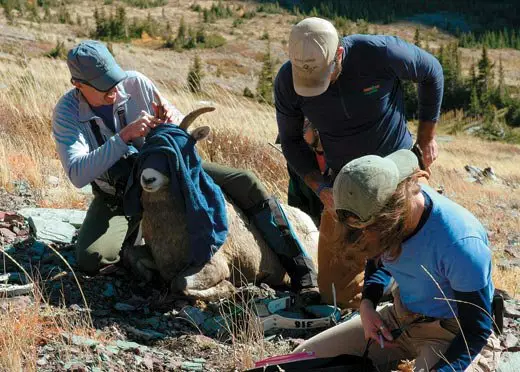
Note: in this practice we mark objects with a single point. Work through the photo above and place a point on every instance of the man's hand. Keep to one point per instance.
(317, 183)
(429, 150)
(372, 323)
(163, 112)
(427, 143)
(139, 127)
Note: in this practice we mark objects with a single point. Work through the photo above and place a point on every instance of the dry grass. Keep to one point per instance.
(31, 85)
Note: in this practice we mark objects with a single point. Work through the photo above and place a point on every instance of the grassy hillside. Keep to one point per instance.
(31, 83)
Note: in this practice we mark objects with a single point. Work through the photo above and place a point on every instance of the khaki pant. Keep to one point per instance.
(338, 264)
(424, 342)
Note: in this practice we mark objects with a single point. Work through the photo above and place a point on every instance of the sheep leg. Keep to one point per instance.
(222, 290)
(210, 281)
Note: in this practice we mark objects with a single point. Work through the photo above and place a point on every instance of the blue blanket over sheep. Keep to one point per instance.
(205, 205)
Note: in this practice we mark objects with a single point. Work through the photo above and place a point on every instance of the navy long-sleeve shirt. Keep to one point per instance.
(363, 112)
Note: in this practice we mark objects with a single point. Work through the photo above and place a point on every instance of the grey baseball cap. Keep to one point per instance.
(91, 62)
(313, 43)
(364, 185)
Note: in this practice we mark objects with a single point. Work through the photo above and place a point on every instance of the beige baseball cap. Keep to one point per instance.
(312, 49)
(364, 185)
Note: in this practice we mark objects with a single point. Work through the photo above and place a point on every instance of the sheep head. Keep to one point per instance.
(155, 169)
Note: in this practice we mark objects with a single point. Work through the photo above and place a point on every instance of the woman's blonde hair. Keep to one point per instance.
(389, 224)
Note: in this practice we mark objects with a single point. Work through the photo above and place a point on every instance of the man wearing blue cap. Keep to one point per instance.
(98, 128)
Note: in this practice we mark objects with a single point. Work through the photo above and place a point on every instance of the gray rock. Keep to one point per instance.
(14, 284)
(510, 341)
(145, 334)
(109, 290)
(511, 309)
(128, 345)
(53, 230)
(154, 322)
(53, 180)
(192, 366)
(508, 263)
(5, 232)
(148, 361)
(124, 307)
(75, 366)
(509, 362)
(80, 340)
(38, 248)
(114, 350)
(72, 216)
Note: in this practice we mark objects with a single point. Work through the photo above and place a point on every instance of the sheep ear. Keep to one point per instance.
(200, 133)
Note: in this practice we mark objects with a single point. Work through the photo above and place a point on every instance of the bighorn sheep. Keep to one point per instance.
(244, 257)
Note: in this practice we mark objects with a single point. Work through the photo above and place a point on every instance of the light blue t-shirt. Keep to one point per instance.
(453, 247)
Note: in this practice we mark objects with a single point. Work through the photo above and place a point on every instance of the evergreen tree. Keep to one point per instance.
(474, 103)
(195, 75)
(264, 89)
(501, 88)
(180, 40)
(485, 78)
(417, 37)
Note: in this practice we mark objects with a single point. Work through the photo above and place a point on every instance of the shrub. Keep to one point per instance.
(58, 52)
(143, 4)
(248, 93)
(195, 76)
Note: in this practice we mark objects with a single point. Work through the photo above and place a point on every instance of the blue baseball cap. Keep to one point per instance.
(90, 62)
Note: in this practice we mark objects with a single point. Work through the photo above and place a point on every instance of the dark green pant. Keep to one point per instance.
(301, 196)
(102, 234)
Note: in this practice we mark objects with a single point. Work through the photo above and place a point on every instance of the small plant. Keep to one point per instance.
(248, 93)
(265, 36)
(58, 52)
(270, 8)
(249, 14)
(195, 7)
(237, 22)
(195, 76)
(264, 88)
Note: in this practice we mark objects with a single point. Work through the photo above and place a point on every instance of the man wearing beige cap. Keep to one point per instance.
(435, 250)
(351, 90)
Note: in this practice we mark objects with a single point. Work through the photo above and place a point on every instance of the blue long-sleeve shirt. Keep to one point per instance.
(363, 112)
(470, 297)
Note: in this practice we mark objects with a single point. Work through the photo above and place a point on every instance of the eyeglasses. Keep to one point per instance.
(72, 80)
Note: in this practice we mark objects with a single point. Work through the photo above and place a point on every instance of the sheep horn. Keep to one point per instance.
(188, 119)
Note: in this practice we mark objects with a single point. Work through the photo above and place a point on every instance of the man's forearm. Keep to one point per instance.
(315, 180)
(426, 131)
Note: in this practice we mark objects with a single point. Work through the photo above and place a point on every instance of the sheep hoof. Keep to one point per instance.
(223, 290)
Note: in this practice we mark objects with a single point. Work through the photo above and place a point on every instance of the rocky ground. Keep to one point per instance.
(126, 324)
(138, 326)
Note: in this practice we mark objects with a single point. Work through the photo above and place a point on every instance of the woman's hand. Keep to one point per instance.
(373, 325)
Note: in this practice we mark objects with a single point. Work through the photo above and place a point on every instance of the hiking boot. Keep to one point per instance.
(308, 296)
(278, 233)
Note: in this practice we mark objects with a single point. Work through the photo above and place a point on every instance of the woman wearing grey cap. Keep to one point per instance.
(438, 254)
